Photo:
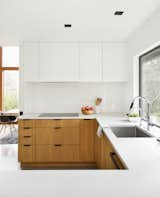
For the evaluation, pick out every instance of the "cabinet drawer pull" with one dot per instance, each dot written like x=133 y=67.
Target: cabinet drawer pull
x=113 y=157
x=27 y=145
x=57 y=127
x=57 y=144
x=26 y=136
x=56 y=119
x=87 y=119
x=26 y=127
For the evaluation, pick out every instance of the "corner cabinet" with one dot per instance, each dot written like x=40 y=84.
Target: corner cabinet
x=58 y=62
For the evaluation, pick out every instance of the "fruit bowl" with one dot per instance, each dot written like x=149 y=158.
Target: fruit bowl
x=87 y=110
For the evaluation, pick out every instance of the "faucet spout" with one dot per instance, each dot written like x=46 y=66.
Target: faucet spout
x=148 y=108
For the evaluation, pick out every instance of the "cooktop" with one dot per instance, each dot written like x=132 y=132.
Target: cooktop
x=59 y=115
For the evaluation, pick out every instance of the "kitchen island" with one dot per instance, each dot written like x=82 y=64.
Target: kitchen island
x=142 y=157
x=64 y=142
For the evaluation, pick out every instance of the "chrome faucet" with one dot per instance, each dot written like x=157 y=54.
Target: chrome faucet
x=148 y=109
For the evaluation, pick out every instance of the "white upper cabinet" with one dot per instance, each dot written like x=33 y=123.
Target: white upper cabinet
x=53 y=62
x=90 y=62
x=58 y=62
x=30 y=61
x=114 y=62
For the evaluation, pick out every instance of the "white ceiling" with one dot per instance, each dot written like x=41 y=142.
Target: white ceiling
x=92 y=20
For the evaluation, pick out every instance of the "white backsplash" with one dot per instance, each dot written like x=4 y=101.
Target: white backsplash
x=69 y=97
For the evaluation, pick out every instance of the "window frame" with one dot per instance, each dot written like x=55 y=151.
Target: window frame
x=140 y=75
x=2 y=69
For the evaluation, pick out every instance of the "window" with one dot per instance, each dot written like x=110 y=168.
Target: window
x=149 y=81
x=9 y=78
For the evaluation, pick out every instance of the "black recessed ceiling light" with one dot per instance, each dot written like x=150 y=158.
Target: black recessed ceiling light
x=67 y=25
x=119 y=13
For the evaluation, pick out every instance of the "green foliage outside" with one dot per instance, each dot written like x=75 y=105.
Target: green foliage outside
x=10 y=102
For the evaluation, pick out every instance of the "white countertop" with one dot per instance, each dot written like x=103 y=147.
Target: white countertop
x=80 y=116
x=141 y=156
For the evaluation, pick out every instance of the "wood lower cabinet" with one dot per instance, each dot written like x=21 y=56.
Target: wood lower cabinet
x=57 y=153
x=57 y=135
x=42 y=153
x=87 y=130
x=65 y=153
x=26 y=153
x=56 y=141
x=106 y=157
x=66 y=143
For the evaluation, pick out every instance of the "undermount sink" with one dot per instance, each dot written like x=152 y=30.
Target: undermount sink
x=133 y=132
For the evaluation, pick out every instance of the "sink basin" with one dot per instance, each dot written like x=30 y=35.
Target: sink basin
x=129 y=132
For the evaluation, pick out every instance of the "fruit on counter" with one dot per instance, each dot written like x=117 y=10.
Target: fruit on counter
x=87 y=110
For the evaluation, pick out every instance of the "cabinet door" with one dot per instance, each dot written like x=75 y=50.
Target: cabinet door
x=30 y=63
x=43 y=153
x=26 y=153
x=98 y=152
x=67 y=136
x=90 y=68
x=87 y=140
x=58 y=62
x=114 y=62
x=65 y=153
x=110 y=159
x=43 y=136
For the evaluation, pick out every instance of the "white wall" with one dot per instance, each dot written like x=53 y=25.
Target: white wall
x=143 y=39
x=69 y=97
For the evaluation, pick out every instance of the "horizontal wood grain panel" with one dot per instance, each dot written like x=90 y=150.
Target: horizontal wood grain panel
x=57 y=135
x=57 y=153
x=26 y=153
x=57 y=123
x=26 y=123
x=26 y=139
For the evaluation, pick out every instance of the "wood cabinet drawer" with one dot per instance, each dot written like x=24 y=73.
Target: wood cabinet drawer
x=43 y=136
x=26 y=153
x=59 y=135
x=66 y=153
x=66 y=123
x=26 y=123
x=43 y=153
x=43 y=123
x=26 y=132
x=67 y=136
x=57 y=123
x=56 y=153
x=26 y=139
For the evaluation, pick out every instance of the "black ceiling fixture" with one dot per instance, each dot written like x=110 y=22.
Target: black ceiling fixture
x=119 y=13
x=67 y=25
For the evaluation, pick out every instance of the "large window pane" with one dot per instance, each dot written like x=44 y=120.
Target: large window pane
x=150 y=81
x=10 y=90
x=10 y=56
